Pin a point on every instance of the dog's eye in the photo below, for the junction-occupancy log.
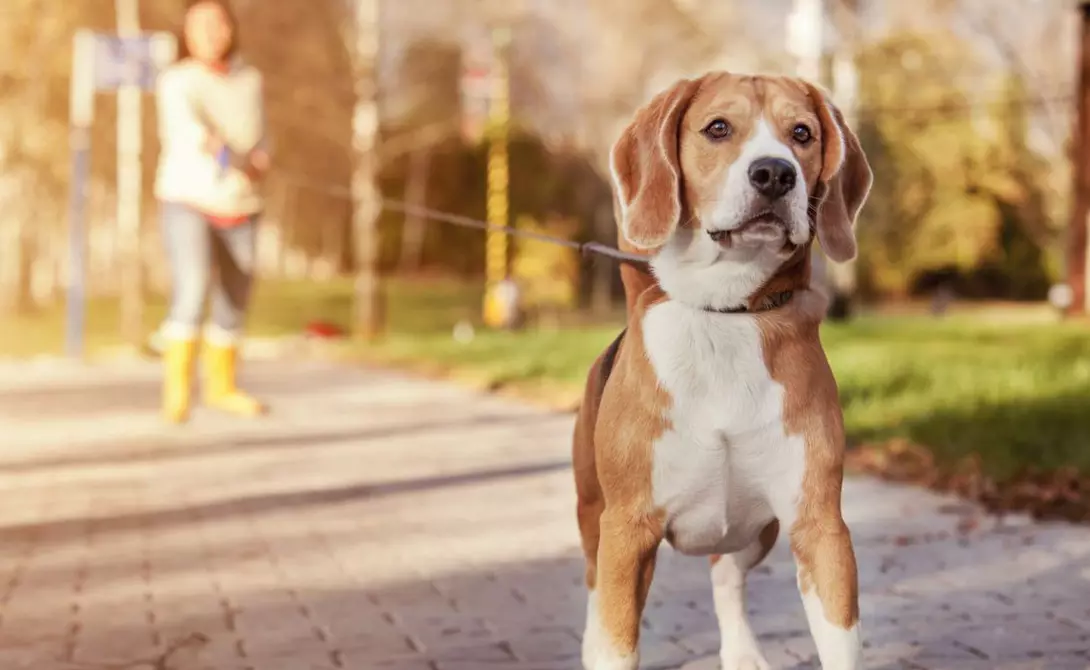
(717, 130)
(802, 134)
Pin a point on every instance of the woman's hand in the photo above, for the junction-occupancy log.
(257, 164)
(213, 144)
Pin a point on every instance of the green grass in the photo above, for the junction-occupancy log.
(1016, 392)
(42, 332)
(280, 308)
(557, 361)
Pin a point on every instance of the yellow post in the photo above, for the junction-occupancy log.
(496, 312)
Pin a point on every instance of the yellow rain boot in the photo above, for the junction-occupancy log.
(220, 392)
(178, 358)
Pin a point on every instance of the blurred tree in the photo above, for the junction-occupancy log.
(640, 47)
(549, 179)
(425, 109)
(950, 175)
(33, 144)
(309, 94)
(1016, 179)
(1037, 47)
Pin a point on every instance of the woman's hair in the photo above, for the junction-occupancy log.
(229, 15)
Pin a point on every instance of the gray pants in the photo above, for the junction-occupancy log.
(204, 257)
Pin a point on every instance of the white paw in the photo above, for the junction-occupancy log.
(744, 662)
(590, 653)
(611, 662)
(591, 634)
(597, 653)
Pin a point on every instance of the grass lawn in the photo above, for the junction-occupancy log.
(280, 308)
(1015, 392)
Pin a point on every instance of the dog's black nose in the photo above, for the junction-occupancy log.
(772, 177)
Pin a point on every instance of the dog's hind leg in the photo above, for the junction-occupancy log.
(739, 649)
(590, 503)
(589, 511)
(589, 490)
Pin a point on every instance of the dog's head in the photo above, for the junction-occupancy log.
(726, 177)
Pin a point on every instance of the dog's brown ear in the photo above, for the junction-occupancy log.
(646, 171)
(845, 181)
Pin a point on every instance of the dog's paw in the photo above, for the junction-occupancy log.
(590, 654)
(745, 662)
(631, 662)
(595, 658)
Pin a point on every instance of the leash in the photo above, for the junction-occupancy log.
(585, 249)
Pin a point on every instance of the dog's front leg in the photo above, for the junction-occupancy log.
(828, 584)
(824, 557)
(626, 564)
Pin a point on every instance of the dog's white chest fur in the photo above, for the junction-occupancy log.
(725, 467)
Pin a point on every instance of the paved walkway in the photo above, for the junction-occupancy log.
(379, 522)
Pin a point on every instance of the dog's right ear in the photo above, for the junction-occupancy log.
(646, 170)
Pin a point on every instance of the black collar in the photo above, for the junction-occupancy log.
(771, 301)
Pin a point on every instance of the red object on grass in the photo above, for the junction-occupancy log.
(323, 329)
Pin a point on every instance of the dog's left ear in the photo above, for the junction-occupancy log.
(845, 180)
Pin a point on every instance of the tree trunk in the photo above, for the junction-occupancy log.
(286, 221)
(367, 319)
(17, 258)
(601, 296)
(416, 192)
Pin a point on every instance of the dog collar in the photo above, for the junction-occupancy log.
(771, 301)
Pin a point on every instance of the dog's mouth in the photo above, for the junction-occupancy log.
(762, 228)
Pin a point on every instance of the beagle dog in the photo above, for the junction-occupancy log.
(713, 422)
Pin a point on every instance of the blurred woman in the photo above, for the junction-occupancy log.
(211, 128)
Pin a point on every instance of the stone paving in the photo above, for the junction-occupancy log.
(380, 522)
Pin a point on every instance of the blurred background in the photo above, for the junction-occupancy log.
(953, 365)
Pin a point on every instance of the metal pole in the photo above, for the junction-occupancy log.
(495, 311)
(368, 317)
(81, 116)
(129, 183)
(1078, 234)
(805, 39)
(842, 276)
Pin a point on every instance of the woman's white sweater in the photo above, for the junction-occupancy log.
(193, 102)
